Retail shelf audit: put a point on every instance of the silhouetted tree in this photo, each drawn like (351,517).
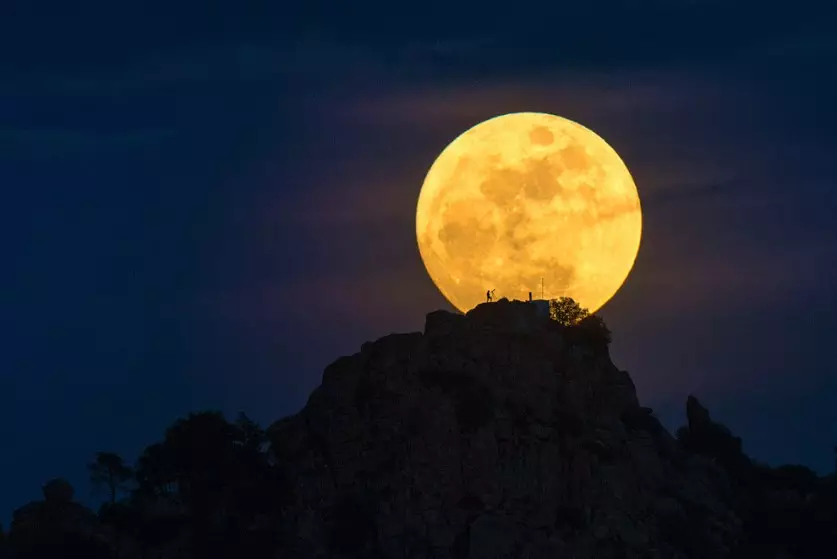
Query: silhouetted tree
(252,437)
(566,311)
(109,470)
(583,327)
(219,472)
(58,490)
(155,473)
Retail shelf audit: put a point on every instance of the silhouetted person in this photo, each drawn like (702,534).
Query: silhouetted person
(488,296)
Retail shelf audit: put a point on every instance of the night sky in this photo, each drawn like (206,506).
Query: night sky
(205,203)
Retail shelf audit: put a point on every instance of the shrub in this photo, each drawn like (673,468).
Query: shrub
(58,490)
(585,328)
(566,311)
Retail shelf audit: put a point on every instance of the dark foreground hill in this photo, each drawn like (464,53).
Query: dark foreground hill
(498,434)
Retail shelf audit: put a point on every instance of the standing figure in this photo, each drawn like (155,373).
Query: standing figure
(489,295)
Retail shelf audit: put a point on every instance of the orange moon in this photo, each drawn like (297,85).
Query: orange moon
(524,198)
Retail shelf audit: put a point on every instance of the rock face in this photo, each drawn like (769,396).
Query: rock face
(491,435)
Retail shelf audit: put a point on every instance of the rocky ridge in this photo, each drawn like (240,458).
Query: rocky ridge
(489,435)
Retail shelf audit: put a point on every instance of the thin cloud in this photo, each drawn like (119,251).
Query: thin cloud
(73,141)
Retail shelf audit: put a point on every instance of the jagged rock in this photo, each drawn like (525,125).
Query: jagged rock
(697,415)
(705,436)
(492,435)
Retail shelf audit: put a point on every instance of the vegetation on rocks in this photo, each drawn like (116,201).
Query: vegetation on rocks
(582,327)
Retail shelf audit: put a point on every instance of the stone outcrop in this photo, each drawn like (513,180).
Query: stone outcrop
(492,435)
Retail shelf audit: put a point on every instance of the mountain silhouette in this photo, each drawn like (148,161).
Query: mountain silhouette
(496,434)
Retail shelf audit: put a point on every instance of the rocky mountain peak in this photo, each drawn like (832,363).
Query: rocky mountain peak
(492,434)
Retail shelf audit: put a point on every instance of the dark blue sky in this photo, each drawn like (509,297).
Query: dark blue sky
(205,203)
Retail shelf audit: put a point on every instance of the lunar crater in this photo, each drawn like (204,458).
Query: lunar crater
(541,136)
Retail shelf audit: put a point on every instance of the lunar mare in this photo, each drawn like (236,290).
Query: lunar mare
(524,197)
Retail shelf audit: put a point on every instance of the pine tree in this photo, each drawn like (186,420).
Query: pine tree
(109,470)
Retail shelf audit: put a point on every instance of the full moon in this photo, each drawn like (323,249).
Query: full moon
(528,202)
